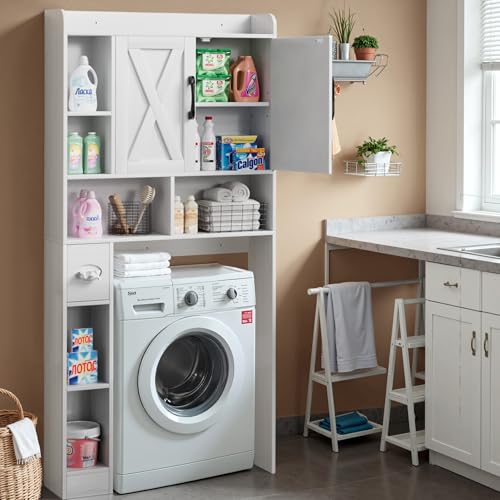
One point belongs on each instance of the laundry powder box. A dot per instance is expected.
(82, 339)
(82, 367)
(225, 146)
(249, 159)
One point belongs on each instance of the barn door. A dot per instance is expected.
(153, 103)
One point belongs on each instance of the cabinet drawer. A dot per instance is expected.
(491, 293)
(88, 272)
(453, 285)
(82, 483)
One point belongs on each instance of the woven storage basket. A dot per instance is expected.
(17, 482)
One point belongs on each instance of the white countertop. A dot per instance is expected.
(422, 244)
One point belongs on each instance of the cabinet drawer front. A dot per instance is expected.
(491, 293)
(85, 264)
(453, 285)
(88, 485)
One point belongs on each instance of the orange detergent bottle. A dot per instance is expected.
(245, 82)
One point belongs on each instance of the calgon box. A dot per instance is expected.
(82, 367)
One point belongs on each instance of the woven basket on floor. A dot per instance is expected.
(17, 482)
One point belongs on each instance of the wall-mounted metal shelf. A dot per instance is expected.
(364, 169)
(358, 71)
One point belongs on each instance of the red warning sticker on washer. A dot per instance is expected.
(246, 317)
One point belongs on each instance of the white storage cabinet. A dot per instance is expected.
(463, 366)
(145, 63)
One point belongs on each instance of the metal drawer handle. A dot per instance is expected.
(486, 345)
(473, 343)
(90, 274)
(447, 283)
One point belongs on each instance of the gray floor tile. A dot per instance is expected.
(307, 469)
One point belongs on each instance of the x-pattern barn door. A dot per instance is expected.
(152, 105)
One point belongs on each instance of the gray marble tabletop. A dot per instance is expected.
(422, 243)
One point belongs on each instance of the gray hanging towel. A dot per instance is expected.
(351, 341)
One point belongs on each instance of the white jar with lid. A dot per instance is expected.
(82, 443)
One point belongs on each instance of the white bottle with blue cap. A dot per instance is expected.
(82, 90)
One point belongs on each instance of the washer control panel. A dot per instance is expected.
(214, 295)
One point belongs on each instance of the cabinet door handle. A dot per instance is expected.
(89, 273)
(447, 283)
(486, 345)
(191, 83)
(473, 343)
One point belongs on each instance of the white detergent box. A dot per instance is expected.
(82, 367)
(82, 339)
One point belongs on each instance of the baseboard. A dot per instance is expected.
(477, 475)
(290, 426)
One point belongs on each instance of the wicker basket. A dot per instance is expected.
(17, 482)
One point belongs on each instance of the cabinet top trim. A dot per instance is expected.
(93, 23)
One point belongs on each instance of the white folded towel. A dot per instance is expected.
(246, 216)
(141, 266)
(25, 440)
(141, 256)
(239, 191)
(145, 272)
(218, 207)
(215, 227)
(219, 194)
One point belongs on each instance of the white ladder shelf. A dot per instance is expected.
(327, 378)
(413, 441)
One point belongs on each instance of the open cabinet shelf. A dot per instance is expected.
(260, 104)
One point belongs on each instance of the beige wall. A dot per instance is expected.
(391, 105)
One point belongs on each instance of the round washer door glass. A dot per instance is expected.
(190, 371)
(192, 374)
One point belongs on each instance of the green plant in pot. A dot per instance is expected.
(365, 47)
(377, 151)
(341, 26)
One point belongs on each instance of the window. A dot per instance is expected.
(490, 54)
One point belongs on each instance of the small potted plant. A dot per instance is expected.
(365, 47)
(377, 151)
(342, 24)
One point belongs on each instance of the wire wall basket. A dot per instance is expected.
(232, 217)
(364, 169)
(132, 217)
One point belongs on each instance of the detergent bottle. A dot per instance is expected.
(245, 85)
(82, 90)
(75, 212)
(90, 218)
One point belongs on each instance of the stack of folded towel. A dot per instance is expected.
(348, 423)
(139, 264)
(228, 208)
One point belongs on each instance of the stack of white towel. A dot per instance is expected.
(139, 264)
(228, 208)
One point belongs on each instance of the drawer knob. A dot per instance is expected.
(447, 283)
(92, 274)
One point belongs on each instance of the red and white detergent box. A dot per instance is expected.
(82, 367)
(82, 339)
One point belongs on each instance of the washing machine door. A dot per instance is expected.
(189, 373)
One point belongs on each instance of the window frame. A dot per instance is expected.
(490, 201)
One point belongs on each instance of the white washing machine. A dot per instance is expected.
(184, 376)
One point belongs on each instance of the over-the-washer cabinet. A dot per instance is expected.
(463, 371)
(293, 120)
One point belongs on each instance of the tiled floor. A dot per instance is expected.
(307, 469)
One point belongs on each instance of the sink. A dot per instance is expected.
(491, 250)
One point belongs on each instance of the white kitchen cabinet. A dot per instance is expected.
(453, 381)
(155, 78)
(490, 394)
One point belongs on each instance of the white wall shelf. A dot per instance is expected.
(261, 104)
(88, 387)
(89, 113)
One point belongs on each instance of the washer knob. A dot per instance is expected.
(191, 298)
(232, 293)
